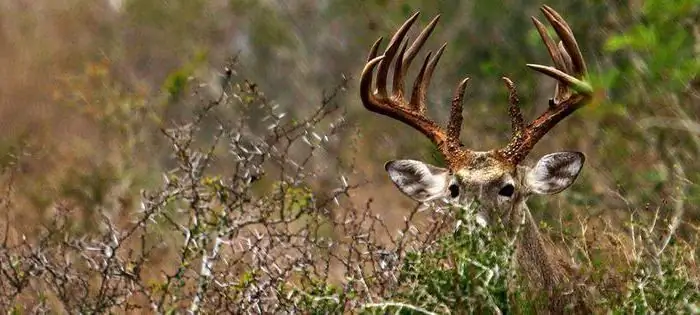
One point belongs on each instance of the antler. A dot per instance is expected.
(570, 94)
(412, 112)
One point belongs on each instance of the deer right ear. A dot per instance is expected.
(420, 181)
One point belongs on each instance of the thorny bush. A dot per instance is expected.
(235, 226)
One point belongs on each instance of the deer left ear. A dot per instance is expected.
(554, 172)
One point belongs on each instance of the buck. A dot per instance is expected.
(496, 179)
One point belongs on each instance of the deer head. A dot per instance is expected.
(495, 178)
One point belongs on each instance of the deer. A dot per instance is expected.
(497, 179)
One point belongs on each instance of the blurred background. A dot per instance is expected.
(86, 85)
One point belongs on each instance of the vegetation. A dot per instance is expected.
(213, 156)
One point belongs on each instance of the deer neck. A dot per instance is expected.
(533, 256)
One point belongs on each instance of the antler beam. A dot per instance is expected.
(570, 94)
(413, 112)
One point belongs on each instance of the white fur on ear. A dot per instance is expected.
(554, 172)
(420, 181)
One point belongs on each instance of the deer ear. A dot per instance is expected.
(420, 181)
(554, 172)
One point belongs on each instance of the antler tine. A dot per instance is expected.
(368, 98)
(418, 43)
(571, 93)
(418, 95)
(406, 56)
(454, 127)
(423, 79)
(397, 82)
(568, 63)
(516, 116)
(373, 51)
(578, 85)
(412, 112)
(389, 53)
(549, 43)
(567, 37)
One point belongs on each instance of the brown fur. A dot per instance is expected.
(537, 259)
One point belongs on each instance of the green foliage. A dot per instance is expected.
(321, 298)
(666, 287)
(469, 271)
(176, 82)
(660, 280)
(660, 48)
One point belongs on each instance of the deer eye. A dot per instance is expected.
(507, 190)
(454, 190)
